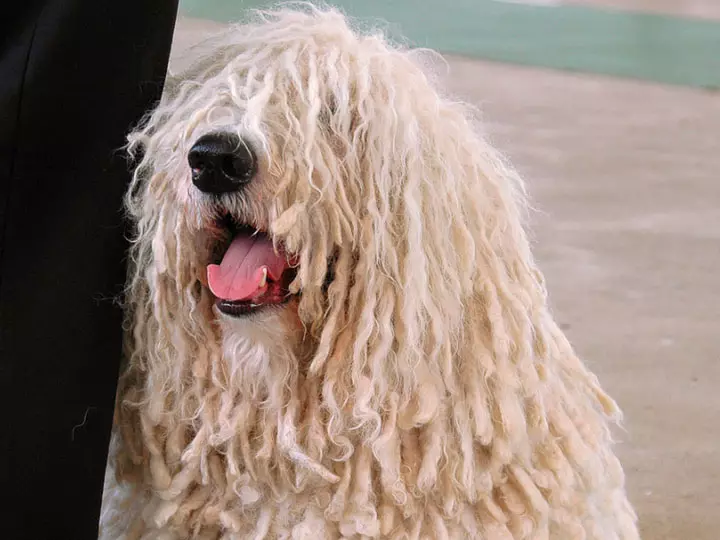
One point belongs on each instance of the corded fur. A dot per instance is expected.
(425, 393)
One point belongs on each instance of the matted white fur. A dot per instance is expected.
(425, 393)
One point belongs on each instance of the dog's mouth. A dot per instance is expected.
(249, 272)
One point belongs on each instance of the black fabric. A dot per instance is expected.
(74, 76)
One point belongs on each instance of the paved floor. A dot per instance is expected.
(625, 177)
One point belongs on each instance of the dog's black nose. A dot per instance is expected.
(221, 163)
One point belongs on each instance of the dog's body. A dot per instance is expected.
(390, 369)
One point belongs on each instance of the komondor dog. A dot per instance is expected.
(336, 328)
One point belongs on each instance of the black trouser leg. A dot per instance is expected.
(74, 76)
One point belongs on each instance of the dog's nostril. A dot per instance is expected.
(221, 163)
(237, 166)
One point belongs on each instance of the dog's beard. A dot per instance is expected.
(273, 329)
(269, 336)
(255, 346)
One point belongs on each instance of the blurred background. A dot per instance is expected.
(610, 109)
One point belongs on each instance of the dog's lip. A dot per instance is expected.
(241, 308)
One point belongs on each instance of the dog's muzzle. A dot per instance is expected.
(221, 163)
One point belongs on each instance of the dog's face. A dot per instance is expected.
(286, 166)
(257, 187)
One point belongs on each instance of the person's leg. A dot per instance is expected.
(74, 76)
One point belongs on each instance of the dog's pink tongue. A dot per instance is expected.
(240, 275)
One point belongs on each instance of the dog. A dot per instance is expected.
(335, 324)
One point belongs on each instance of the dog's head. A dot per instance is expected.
(303, 167)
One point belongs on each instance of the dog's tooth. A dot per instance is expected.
(263, 279)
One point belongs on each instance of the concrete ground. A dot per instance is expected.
(624, 175)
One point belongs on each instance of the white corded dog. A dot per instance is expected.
(336, 328)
